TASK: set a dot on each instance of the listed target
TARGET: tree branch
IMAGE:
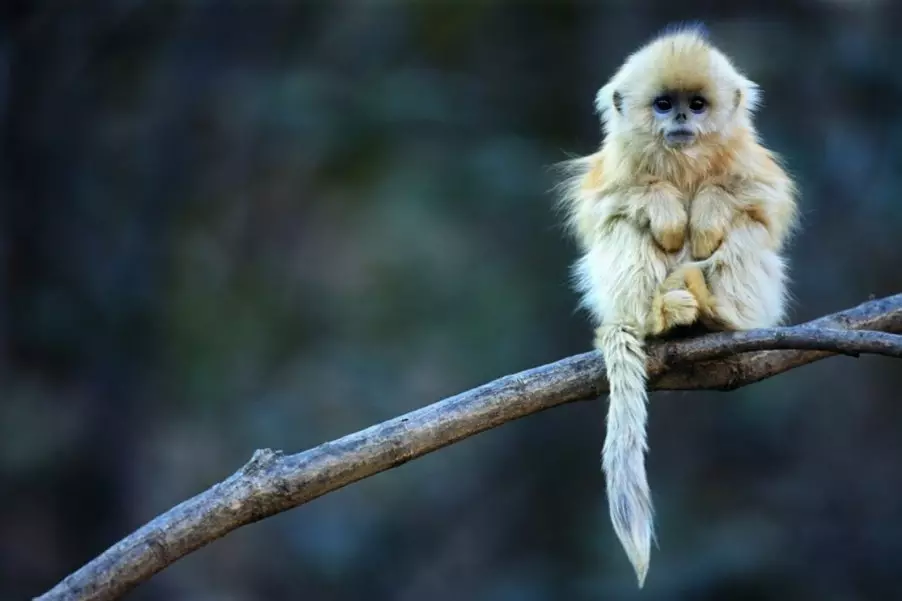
(272, 482)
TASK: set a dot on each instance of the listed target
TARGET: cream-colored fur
(671, 236)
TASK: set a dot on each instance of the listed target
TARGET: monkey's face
(680, 117)
(679, 94)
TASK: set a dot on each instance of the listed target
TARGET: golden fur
(672, 235)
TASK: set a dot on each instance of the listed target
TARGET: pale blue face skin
(679, 116)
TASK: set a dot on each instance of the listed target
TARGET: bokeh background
(231, 225)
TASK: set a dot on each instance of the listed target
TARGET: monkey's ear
(608, 101)
(749, 94)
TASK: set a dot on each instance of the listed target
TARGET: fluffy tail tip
(632, 518)
(641, 573)
(638, 553)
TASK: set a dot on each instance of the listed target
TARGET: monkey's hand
(667, 216)
(710, 215)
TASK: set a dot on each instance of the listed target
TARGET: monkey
(681, 219)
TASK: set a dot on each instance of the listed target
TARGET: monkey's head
(676, 92)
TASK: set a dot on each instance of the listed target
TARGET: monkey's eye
(697, 104)
(662, 104)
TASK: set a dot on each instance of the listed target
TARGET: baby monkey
(681, 218)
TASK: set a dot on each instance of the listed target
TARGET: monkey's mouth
(679, 137)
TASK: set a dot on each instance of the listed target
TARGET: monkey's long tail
(623, 456)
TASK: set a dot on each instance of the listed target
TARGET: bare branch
(802, 338)
(271, 482)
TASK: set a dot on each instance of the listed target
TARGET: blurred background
(231, 225)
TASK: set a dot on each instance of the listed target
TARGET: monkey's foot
(693, 280)
(723, 317)
(671, 309)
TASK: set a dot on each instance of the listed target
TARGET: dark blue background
(231, 225)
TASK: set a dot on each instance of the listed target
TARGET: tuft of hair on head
(694, 28)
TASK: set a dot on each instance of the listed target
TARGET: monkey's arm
(742, 231)
(652, 205)
(595, 195)
(766, 197)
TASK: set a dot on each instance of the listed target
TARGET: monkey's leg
(630, 261)
(746, 279)
(618, 276)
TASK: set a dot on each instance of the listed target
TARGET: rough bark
(272, 482)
